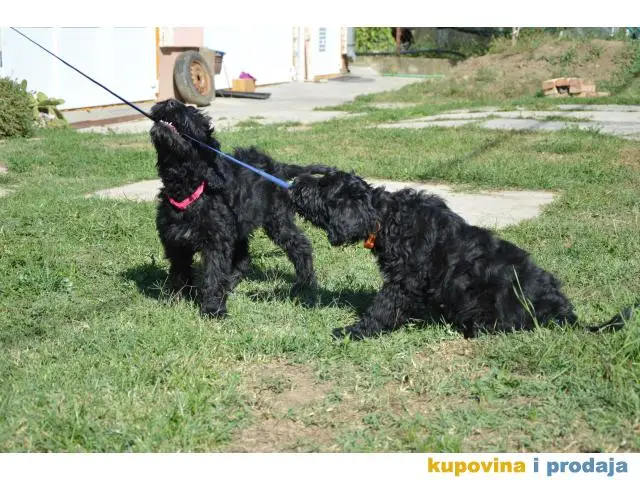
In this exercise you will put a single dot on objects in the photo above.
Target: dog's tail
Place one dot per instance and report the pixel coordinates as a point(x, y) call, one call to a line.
point(617, 322)
point(290, 171)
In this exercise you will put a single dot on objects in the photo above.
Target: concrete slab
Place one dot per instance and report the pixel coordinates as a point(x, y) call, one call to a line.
point(624, 123)
point(599, 116)
point(530, 124)
point(423, 124)
point(602, 116)
point(598, 108)
point(475, 110)
point(492, 209)
point(449, 116)
point(144, 191)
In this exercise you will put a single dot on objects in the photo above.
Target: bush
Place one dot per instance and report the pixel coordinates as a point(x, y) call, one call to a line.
point(16, 111)
point(374, 39)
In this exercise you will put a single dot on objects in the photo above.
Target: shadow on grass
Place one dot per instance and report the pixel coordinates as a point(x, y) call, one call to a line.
point(458, 160)
point(150, 279)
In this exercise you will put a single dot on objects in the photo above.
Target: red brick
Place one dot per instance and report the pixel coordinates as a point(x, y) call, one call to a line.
point(575, 85)
point(562, 82)
point(548, 85)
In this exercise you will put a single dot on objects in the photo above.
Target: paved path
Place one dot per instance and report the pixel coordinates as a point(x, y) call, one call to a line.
point(493, 209)
point(619, 120)
point(289, 102)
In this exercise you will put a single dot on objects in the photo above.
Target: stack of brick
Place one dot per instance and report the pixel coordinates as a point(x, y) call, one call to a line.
point(570, 86)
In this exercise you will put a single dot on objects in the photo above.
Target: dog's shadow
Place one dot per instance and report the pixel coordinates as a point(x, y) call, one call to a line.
point(352, 299)
point(151, 281)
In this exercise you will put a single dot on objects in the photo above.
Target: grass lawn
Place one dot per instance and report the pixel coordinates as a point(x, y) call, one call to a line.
point(94, 358)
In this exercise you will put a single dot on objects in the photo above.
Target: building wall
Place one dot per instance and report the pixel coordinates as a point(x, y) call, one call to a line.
point(324, 51)
point(262, 51)
point(123, 59)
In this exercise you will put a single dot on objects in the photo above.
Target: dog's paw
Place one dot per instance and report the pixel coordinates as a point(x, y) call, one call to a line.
point(350, 332)
point(307, 293)
point(213, 311)
point(185, 293)
point(338, 333)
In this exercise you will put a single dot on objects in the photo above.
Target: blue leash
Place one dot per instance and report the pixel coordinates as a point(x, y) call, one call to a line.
point(262, 173)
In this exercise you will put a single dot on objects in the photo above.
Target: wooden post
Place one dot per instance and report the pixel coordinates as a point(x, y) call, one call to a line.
point(398, 36)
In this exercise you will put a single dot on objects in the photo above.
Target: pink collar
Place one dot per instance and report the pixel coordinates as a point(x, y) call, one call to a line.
point(190, 199)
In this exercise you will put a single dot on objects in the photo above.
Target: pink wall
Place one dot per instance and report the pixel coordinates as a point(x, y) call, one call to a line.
point(188, 37)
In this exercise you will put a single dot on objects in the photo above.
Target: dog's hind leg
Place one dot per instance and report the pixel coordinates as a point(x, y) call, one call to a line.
point(284, 233)
point(240, 263)
point(180, 260)
point(390, 310)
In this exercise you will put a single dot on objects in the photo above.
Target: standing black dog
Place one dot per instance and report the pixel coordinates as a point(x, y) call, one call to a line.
point(211, 205)
point(433, 261)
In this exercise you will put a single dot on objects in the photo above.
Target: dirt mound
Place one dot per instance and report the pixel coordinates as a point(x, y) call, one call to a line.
point(593, 60)
point(512, 72)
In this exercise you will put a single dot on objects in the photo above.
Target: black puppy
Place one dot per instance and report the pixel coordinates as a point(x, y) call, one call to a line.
point(432, 261)
point(210, 205)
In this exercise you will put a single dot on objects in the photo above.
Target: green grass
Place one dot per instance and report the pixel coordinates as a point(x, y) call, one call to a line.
point(94, 358)
point(438, 95)
point(566, 119)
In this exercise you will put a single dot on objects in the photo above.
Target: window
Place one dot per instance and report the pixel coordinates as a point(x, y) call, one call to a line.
point(322, 39)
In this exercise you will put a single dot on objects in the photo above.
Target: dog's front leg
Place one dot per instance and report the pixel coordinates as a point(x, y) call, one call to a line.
point(389, 311)
point(180, 259)
point(215, 282)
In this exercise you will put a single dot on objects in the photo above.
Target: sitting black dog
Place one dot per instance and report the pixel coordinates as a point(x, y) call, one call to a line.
point(433, 261)
point(210, 205)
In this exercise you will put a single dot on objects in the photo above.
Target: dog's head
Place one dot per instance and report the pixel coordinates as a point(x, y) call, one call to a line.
point(340, 203)
point(172, 118)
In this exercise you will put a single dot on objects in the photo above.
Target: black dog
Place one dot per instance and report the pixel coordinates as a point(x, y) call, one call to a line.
point(432, 261)
point(210, 205)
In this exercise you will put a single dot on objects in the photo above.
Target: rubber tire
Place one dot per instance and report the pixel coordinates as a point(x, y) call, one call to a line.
point(183, 82)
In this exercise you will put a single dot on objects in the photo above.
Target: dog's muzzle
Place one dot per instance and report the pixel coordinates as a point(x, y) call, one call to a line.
point(169, 125)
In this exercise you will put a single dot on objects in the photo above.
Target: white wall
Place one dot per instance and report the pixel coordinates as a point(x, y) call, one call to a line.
point(266, 52)
point(123, 59)
point(328, 61)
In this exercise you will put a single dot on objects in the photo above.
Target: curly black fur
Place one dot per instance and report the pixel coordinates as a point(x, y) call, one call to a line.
point(235, 202)
point(432, 261)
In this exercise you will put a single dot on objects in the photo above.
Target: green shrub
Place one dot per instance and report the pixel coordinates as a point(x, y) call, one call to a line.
point(374, 39)
point(16, 112)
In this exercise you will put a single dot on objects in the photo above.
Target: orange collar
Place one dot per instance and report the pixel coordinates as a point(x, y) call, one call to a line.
point(370, 242)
